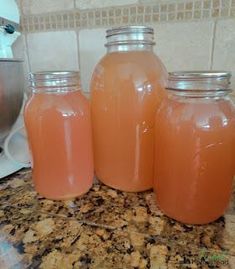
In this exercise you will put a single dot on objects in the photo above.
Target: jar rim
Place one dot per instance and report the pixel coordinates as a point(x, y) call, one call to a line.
point(52, 75)
point(184, 75)
point(129, 29)
point(130, 42)
point(54, 79)
point(199, 83)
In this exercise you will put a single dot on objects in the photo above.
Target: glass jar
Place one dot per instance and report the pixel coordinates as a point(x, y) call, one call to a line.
point(126, 88)
point(195, 147)
point(58, 124)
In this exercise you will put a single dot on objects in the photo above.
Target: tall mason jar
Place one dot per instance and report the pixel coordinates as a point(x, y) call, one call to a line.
point(57, 119)
point(126, 89)
point(195, 147)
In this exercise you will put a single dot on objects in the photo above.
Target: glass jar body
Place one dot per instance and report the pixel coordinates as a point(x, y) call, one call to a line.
point(126, 88)
point(59, 131)
point(194, 157)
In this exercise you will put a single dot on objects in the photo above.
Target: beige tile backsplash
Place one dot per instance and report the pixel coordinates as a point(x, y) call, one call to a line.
point(91, 45)
point(70, 34)
point(44, 6)
point(184, 45)
point(53, 51)
point(88, 4)
point(224, 47)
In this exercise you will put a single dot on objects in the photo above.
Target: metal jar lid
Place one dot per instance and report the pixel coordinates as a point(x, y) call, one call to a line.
point(130, 35)
point(54, 79)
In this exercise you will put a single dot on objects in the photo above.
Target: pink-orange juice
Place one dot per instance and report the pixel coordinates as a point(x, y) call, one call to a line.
point(127, 88)
point(194, 157)
point(59, 132)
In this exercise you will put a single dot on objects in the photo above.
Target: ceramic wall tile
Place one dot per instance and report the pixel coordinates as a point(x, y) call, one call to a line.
point(91, 47)
point(88, 4)
point(53, 51)
point(184, 32)
point(44, 6)
point(109, 13)
point(185, 45)
point(224, 48)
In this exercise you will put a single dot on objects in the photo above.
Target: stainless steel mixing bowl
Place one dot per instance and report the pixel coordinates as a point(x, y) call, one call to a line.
point(11, 93)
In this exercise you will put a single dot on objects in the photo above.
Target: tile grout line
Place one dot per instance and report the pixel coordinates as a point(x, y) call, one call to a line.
point(77, 38)
point(230, 7)
point(78, 49)
point(213, 45)
point(21, 6)
point(27, 51)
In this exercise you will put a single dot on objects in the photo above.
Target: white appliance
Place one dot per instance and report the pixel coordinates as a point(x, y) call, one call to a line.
point(14, 153)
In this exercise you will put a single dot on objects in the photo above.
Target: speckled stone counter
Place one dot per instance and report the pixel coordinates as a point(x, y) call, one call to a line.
point(104, 229)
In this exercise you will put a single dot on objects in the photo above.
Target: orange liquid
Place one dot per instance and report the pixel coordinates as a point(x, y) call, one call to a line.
point(59, 132)
point(195, 158)
point(127, 88)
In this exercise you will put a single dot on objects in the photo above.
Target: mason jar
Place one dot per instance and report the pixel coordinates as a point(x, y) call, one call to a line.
point(57, 119)
point(195, 147)
point(127, 86)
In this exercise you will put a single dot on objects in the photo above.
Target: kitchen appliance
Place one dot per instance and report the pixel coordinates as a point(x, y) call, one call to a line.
point(11, 91)
point(14, 154)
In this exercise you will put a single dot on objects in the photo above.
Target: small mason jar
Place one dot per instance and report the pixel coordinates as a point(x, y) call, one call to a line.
point(58, 124)
point(126, 88)
point(195, 147)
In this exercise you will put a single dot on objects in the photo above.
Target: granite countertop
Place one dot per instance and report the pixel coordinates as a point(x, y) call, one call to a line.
point(104, 229)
